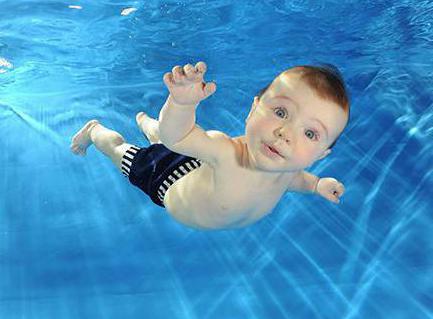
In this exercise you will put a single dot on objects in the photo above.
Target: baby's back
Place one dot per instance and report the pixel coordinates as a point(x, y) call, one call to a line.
point(225, 195)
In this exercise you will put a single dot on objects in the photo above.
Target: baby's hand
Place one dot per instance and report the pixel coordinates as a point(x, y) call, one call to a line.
point(186, 84)
point(331, 189)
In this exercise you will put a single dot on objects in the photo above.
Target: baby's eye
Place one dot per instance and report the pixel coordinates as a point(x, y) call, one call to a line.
point(281, 112)
point(311, 134)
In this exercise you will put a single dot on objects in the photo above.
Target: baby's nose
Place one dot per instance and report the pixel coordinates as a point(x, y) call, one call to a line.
point(284, 137)
point(285, 134)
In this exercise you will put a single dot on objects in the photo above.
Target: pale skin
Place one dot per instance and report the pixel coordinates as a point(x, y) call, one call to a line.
point(241, 179)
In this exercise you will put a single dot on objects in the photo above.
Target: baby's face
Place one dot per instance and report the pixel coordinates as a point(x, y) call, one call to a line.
point(296, 122)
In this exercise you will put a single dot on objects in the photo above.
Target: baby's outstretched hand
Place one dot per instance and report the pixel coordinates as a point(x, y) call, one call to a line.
point(331, 189)
point(186, 85)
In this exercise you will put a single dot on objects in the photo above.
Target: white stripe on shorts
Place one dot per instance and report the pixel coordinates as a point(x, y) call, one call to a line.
point(127, 160)
point(176, 174)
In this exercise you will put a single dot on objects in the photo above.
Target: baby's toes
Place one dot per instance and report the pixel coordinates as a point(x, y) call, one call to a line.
point(75, 149)
point(139, 117)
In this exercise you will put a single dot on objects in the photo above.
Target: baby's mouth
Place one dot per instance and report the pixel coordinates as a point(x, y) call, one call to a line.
point(273, 150)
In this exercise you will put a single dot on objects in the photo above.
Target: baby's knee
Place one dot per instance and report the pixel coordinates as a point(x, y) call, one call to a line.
point(116, 139)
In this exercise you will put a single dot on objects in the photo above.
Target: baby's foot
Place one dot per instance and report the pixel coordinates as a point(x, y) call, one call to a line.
point(81, 141)
point(147, 126)
point(140, 117)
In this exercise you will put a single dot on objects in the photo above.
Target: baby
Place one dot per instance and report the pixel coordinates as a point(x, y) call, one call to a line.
point(209, 180)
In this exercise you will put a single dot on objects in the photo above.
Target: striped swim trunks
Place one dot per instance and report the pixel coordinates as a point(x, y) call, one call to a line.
point(155, 168)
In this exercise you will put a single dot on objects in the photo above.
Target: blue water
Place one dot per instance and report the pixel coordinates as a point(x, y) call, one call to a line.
point(77, 241)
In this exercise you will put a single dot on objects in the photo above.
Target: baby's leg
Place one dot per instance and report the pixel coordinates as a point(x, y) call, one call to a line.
point(149, 126)
point(109, 142)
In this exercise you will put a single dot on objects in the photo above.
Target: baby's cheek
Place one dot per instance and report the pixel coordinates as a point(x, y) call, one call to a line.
point(266, 125)
point(305, 157)
point(259, 125)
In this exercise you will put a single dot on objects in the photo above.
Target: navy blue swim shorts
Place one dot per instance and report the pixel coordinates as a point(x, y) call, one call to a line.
point(155, 168)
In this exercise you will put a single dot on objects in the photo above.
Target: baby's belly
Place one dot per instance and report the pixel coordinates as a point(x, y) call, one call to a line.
point(185, 199)
point(195, 201)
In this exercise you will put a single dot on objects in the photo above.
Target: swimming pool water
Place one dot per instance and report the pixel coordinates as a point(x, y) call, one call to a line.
point(77, 241)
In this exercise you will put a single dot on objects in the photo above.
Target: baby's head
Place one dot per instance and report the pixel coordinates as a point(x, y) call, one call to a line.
point(300, 114)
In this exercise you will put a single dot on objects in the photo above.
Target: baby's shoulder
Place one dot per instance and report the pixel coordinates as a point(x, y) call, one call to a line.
point(218, 134)
point(228, 143)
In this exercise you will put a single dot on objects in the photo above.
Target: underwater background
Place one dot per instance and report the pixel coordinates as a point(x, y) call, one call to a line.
point(78, 241)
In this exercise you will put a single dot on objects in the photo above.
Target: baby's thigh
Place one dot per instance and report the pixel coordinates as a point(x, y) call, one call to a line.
point(119, 152)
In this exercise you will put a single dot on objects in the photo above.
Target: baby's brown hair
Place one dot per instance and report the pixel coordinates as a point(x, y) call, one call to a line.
point(326, 80)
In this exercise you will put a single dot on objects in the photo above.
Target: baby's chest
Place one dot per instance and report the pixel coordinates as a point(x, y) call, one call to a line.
point(244, 192)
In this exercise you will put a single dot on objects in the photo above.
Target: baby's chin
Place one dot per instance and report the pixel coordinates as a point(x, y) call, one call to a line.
point(278, 167)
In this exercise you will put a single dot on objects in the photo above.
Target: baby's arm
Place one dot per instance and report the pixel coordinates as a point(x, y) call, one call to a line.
point(326, 187)
point(304, 182)
point(175, 121)
point(177, 128)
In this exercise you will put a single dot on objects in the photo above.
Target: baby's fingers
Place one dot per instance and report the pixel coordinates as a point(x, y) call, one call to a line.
point(178, 73)
point(168, 79)
point(201, 67)
point(209, 89)
point(195, 73)
point(340, 189)
point(337, 193)
point(333, 198)
point(188, 73)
